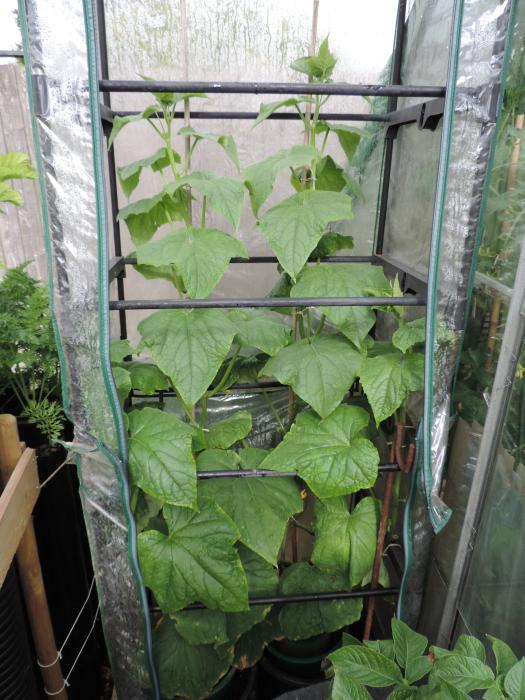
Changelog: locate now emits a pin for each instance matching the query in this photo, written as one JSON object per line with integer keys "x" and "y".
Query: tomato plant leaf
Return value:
{"x": 409, "y": 334}
{"x": 465, "y": 673}
{"x": 408, "y": 645}
{"x": 515, "y": 681}
{"x": 160, "y": 457}
{"x": 294, "y": 226}
{"x": 196, "y": 561}
{"x": 184, "y": 668}
{"x": 365, "y": 666}
{"x": 260, "y": 330}
{"x": 129, "y": 175}
{"x": 260, "y": 508}
{"x": 189, "y": 346}
{"x": 200, "y": 255}
{"x": 259, "y": 178}
{"x": 145, "y": 216}
{"x": 224, "y": 433}
{"x": 342, "y": 280}
{"x": 304, "y": 620}
{"x": 320, "y": 370}
{"x": 226, "y": 141}
{"x": 329, "y": 454}
{"x": 387, "y": 379}
{"x": 224, "y": 194}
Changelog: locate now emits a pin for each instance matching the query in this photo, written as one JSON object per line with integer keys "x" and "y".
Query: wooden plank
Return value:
{"x": 16, "y": 506}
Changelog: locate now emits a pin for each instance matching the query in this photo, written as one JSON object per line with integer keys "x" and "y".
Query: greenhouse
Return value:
{"x": 262, "y": 296}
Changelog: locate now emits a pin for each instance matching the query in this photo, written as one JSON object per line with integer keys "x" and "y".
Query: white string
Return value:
{"x": 67, "y": 459}
{"x": 66, "y": 679}
{"x": 59, "y": 656}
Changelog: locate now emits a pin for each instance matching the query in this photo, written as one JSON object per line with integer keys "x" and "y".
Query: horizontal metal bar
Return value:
{"x": 265, "y": 302}
{"x": 259, "y": 259}
{"x": 256, "y": 473}
{"x": 482, "y": 280}
{"x": 108, "y": 115}
{"x": 309, "y": 597}
{"x": 271, "y": 88}
{"x": 11, "y": 54}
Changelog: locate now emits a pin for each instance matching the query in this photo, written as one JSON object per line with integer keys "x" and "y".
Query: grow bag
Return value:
{"x": 62, "y": 74}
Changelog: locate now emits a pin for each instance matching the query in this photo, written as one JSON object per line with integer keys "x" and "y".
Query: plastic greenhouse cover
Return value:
{"x": 67, "y": 144}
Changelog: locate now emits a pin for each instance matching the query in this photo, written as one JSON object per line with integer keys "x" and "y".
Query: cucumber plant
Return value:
{"x": 219, "y": 542}
{"x": 410, "y": 670}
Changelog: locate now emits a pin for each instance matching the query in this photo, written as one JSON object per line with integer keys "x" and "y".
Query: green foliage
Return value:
{"x": 14, "y": 166}
{"x": 29, "y": 367}
{"x": 218, "y": 541}
{"x": 403, "y": 664}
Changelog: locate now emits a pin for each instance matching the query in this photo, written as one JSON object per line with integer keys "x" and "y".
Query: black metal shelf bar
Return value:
{"x": 306, "y": 597}
{"x": 265, "y": 302}
{"x": 108, "y": 115}
{"x": 238, "y": 88}
{"x": 263, "y": 473}
{"x": 11, "y": 54}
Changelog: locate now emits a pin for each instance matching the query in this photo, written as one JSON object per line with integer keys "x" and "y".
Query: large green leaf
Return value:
{"x": 196, "y": 561}
{"x": 365, "y": 666}
{"x": 200, "y": 255}
{"x": 505, "y": 657}
{"x": 129, "y": 175}
{"x": 260, "y": 508}
{"x": 342, "y": 280}
{"x": 465, "y": 673}
{"x": 330, "y": 454}
{"x": 388, "y": 379}
{"x": 352, "y": 552}
{"x": 225, "y": 140}
{"x": 224, "y": 433}
{"x": 267, "y": 109}
{"x": 409, "y": 334}
{"x": 349, "y": 137}
{"x": 319, "y": 67}
{"x": 145, "y": 216}
{"x": 470, "y": 646}
{"x": 224, "y": 194}
{"x": 408, "y": 645}
{"x": 330, "y": 243}
{"x": 119, "y": 349}
{"x": 146, "y": 377}
{"x": 15, "y": 165}
{"x": 122, "y": 382}
{"x": 9, "y": 195}
{"x": 259, "y": 178}
{"x": 515, "y": 681}
{"x": 160, "y": 457}
{"x": 417, "y": 668}
{"x": 320, "y": 370}
{"x": 294, "y": 226}
{"x": 185, "y": 669}
{"x": 189, "y": 346}
{"x": 304, "y": 620}
{"x": 250, "y": 646}
{"x": 258, "y": 329}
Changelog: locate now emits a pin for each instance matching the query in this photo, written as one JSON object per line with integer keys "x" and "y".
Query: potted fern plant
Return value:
{"x": 215, "y": 543}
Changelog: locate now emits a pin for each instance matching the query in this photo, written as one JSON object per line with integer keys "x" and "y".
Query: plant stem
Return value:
{"x": 321, "y": 324}
{"x": 273, "y": 411}
{"x": 187, "y": 409}
{"x": 227, "y": 372}
{"x": 204, "y": 410}
{"x": 203, "y": 212}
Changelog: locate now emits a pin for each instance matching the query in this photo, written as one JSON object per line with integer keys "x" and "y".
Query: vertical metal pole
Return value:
{"x": 112, "y": 171}
{"x": 389, "y": 140}
{"x": 511, "y": 345}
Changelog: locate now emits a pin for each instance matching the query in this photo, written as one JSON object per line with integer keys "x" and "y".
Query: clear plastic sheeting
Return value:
{"x": 73, "y": 212}
{"x": 477, "y": 64}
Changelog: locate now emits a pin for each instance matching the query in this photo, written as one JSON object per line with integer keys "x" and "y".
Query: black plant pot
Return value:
{"x": 288, "y": 665}
{"x": 66, "y": 563}
{"x": 235, "y": 685}
{"x": 321, "y": 691}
